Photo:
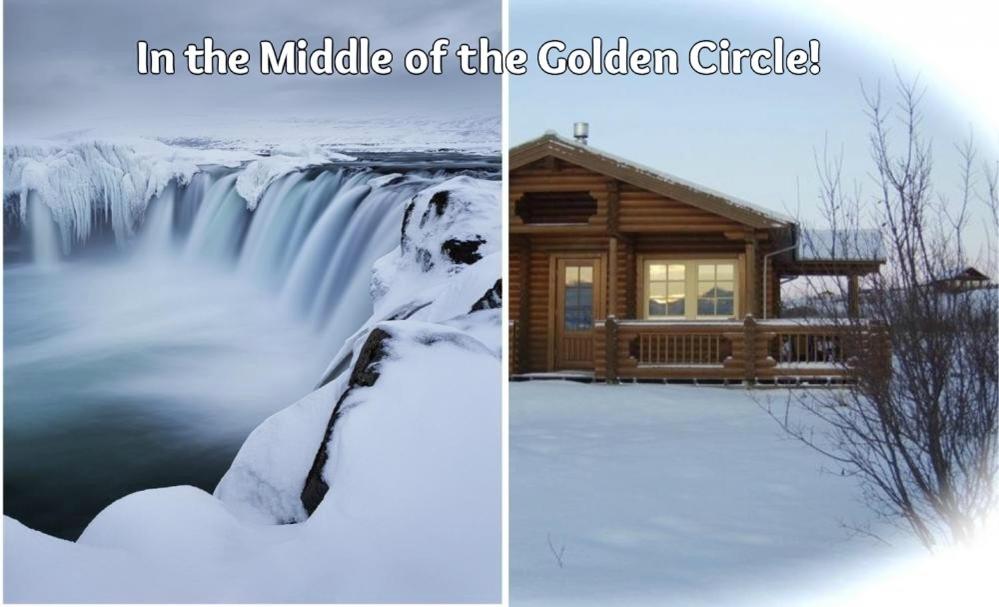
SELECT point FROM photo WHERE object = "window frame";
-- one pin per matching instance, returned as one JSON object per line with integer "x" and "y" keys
{"x": 691, "y": 280}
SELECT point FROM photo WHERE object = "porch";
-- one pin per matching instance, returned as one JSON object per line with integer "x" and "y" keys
{"x": 773, "y": 351}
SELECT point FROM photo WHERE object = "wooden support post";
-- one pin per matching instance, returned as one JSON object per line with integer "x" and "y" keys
{"x": 750, "y": 347}
{"x": 631, "y": 303}
{"x": 612, "y": 277}
{"x": 752, "y": 305}
{"x": 610, "y": 349}
{"x": 854, "y": 296}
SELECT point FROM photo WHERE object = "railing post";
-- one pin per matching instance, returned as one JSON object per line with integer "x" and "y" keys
{"x": 514, "y": 352}
{"x": 610, "y": 348}
{"x": 750, "y": 336}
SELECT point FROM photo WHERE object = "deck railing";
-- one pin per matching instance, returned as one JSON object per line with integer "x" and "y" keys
{"x": 747, "y": 350}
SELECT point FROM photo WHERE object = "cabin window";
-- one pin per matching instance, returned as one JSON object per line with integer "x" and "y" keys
{"x": 715, "y": 289}
{"x": 667, "y": 290}
{"x": 690, "y": 289}
{"x": 578, "y": 298}
{"x": 556, "y": 207}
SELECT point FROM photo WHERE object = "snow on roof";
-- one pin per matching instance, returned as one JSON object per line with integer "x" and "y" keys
{"x": 553, "y": 137}
{"x": 965, "y": 273}
{"x": 839, "y": 245}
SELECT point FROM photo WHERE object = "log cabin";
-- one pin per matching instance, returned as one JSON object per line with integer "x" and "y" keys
{"x": 621, "y": 272}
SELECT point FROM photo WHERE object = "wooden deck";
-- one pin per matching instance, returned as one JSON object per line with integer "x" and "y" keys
{"x": 786, "y": 351}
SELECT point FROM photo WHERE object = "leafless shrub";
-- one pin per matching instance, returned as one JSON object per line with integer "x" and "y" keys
{"x": 918, "y": 425}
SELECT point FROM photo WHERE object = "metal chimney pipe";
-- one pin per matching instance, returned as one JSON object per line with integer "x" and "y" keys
{"x": 581, "y": 131}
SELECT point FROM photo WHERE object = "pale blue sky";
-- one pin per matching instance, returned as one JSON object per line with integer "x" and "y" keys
{"x": 750, "y": 136}
{"x": 71, "y": 66}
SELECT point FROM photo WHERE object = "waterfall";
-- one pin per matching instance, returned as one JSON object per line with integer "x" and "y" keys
{"x": 44, "y": 233}
{"x": 159, "y": 223}
{"x": 311, "y": 241}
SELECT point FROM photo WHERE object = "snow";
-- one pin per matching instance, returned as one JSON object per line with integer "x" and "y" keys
{"x": 412, "y": 513}
{"x": 265, "y": 480}
{"x": 841, "y": 245}
{"x": 418, "y": 264}
{"x": 258, "y": 175}
{"x": 474, "y": 132}
{"x": 675, "y": 495}
{"x": 417, "y": 280}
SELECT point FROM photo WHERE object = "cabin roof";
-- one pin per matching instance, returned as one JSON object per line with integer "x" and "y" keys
{"x": 552, "y": 144}
{"x": 965, "y": 273}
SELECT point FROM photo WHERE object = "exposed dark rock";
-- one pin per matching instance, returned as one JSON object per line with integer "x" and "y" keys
{"x": 425, "y": 258}
{"x": 401, "y": 313}
{"x": 406, "y": 216}
{"x": 438, "y": 204}
{"x": 463, "y": 251}
{"x": 493, "y": 298}
{"x": 365, "y": 373}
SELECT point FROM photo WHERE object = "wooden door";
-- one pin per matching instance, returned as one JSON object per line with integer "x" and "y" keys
{"x": 578, "y": 294}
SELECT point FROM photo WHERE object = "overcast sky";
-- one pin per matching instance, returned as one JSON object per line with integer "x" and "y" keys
{"x": 750, "y": 136}
{"x": 70, "y": 65}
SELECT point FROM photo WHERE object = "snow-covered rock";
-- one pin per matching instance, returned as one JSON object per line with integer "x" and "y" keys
{"x": 418, "y": 283}
{"x": 264, "y": 483}
{"x": 445, "y": 229}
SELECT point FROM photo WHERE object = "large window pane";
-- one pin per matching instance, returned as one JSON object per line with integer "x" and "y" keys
{"x": 715, "y": 289}
{"x": 578, "y": 304}
{"x": 725, "y": 289}
{"x": 675, "y": 307}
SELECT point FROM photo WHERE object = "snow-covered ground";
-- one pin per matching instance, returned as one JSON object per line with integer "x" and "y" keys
{"x": 475, "y": 132}
{"x": 676, "y": 495}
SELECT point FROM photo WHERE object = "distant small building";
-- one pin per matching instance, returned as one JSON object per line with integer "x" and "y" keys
{"x": 963, "y": 280}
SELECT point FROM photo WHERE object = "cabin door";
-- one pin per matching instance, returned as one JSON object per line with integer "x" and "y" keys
{"x": 578, "y": 292}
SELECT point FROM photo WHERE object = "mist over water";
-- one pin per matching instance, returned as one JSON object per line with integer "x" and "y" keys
{"x": 125, "y": 376}
{"x": 146, "y": 362}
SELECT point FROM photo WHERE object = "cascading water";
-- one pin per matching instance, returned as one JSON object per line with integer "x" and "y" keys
{"x": 145, "y": 359}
